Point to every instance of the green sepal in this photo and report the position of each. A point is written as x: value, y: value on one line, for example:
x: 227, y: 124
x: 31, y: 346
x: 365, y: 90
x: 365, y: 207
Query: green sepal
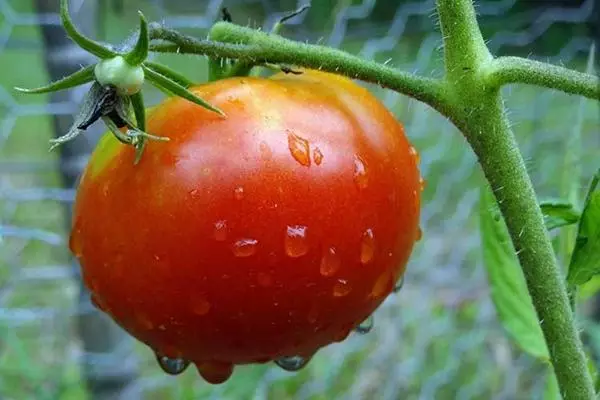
x: 139, y: 53
x: 178, y: 90
x: 139, y: 111
x: 80, y: 77
x: 169, y: 73
x: 85, y: 43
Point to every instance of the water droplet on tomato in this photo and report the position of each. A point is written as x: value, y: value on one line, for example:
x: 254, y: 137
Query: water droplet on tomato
x: 341, y: 288
x: 299, y: 148
x: 419, y: 234
x: 317, y: 156
x: 239, y: 192
x: 330, y: 262
x: 292, y: 364
x: 200, y: 306
x: 172, y: 366
x: 220, y: 231
x: 366, y: 326
x: 422, y: 183
x: 360, y: 173
x: 296, y: 244
x: 215, y: 372
x: 399, y: 284
x: 382, y: 286
x: 264, y: 279
x: 245, y: 247
x: 367, y: 247
x: 414, y: 153
x: 265, y: 151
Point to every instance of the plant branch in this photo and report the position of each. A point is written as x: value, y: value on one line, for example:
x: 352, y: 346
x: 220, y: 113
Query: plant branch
x: 480, y: 115
x: 259, y: 47
x: 507, y: 70
x: 464, y: 48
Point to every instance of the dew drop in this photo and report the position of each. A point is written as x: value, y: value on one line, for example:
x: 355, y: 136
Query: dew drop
x: 413, y: 152
x: 264, y: 279
x: 239, y: 193
x: 296, y: 244
x: 382, y: 285
x: 422, y: 183
x: 265, y: 151
x: 245, y: 247
x: 172, y: 366
x: 215, y: 372
x: 292, y: 364
x: 200, y: 306
x: 330, y: 262
x: 299, y: 149
x: 220, y: 231
x: 367, y: 247
x: 360, y: 173
x: 341, y: 288
x: 399, y: 284
x: 317, y: 156
x: 366, y: 326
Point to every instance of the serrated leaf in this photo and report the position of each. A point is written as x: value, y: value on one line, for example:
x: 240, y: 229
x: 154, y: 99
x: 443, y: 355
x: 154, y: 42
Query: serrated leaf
x: 585, y: 260
x: 558, y: 213
x: 85, y: 43
x: 508, y: 288
x: 178, y: 90
x: 139, y: 53
x: 80, y: 77
x: 169, y: 73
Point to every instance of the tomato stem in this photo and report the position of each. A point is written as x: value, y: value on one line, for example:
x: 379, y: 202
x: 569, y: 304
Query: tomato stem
x: 479, y: 113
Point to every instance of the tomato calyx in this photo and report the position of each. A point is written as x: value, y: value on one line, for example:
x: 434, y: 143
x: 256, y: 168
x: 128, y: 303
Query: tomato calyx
x: 117, y: 82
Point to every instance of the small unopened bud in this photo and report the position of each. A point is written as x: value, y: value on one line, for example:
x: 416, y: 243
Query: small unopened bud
x: 117, y: 72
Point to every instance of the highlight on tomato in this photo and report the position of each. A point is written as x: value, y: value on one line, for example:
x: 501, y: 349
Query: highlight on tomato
x: 262, y: 235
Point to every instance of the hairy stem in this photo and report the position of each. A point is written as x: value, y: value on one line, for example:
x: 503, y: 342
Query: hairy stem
x: 259, y: 47
x: 489, y: 134
x: 507, y: 70
x: 480, y: 115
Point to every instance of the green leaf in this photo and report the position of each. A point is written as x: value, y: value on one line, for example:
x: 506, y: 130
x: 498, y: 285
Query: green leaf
x: 559, y: 213
x: 169, y: 73
x: 178, y: 90
x: 140, y: 52
x: 585, y: 260
x: 80, y: 77
x: 85, y: 43
x: 507, y: 283
x: 551, y: 389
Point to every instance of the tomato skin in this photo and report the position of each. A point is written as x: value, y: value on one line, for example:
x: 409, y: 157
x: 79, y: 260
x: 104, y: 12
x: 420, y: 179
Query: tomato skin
x: 271, y: 232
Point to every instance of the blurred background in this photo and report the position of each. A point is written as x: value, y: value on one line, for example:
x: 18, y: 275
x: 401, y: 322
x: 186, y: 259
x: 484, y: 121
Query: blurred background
x: 438, y: 338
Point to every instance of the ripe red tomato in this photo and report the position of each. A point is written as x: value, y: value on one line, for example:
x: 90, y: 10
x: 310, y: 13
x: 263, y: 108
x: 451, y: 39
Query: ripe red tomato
x: 269, y: 233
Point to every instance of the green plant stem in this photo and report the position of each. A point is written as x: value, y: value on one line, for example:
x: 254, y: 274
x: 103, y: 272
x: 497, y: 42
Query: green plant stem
x: 507, y: 70
x: 480, y: 115
x: 259, y: 47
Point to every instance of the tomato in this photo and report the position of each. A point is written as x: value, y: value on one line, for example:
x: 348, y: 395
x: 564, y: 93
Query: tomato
x: 268, y: 233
